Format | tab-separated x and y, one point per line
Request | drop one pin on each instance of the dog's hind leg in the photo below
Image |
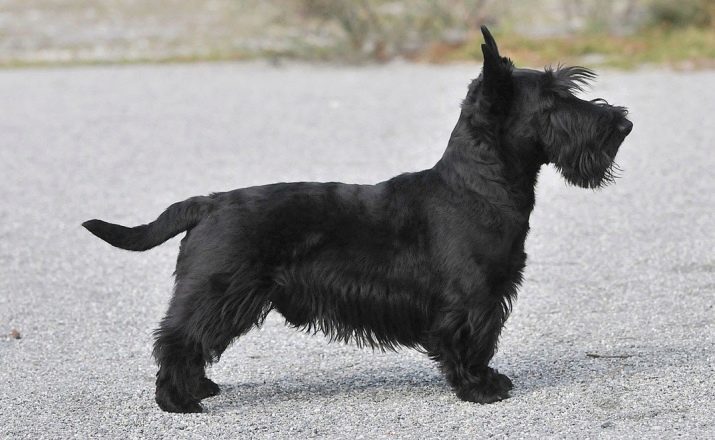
202	320
465	341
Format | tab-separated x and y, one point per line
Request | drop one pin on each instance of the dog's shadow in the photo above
531	373
377	383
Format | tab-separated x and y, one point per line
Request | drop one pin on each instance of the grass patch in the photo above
82	32
686	47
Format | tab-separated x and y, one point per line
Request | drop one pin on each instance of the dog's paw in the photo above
492	387
481	394
207	388
171	402
503	380
184	407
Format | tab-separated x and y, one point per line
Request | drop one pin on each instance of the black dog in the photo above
430	260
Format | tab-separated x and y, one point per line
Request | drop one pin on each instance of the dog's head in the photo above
538	116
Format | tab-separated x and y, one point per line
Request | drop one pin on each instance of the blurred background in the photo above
618	33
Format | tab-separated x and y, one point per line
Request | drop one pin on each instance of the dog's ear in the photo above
489	42
496	73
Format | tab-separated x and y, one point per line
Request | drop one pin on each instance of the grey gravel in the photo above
613	335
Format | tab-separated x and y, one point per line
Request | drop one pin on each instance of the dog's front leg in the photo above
466	339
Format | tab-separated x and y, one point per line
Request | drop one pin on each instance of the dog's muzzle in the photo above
624	127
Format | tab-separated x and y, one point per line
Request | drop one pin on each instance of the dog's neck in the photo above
479	162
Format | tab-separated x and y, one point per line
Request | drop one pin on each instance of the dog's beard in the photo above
590	168
591	171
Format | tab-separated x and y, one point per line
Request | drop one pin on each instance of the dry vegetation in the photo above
613	32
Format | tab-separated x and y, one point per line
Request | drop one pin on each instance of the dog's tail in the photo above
177	218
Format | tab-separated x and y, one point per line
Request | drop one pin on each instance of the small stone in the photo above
14	334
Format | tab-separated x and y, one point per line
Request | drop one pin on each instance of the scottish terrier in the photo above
430	260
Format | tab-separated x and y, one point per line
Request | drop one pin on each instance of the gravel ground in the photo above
625	273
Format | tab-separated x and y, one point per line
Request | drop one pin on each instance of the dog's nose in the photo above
625	127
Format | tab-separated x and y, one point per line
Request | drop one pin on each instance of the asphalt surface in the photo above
613	334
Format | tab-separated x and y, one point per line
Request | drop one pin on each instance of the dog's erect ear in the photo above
491	94
489	42
496	73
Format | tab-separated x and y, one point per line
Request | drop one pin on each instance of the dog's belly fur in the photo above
367	307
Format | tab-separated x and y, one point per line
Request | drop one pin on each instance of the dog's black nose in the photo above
625	127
